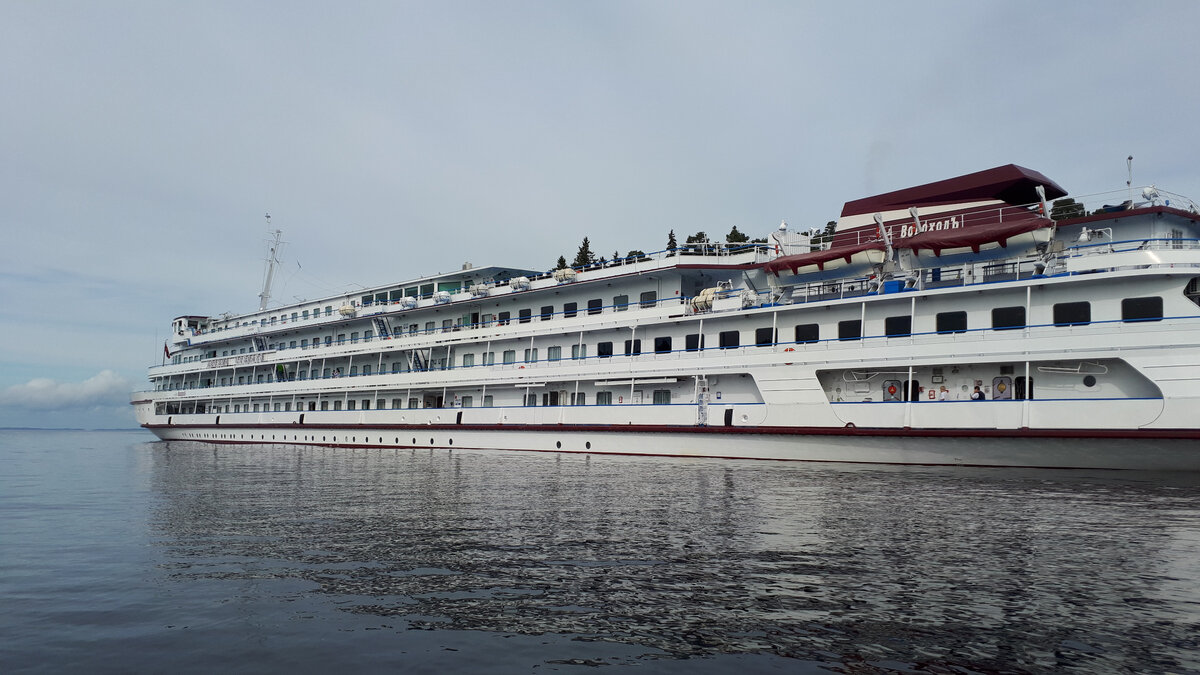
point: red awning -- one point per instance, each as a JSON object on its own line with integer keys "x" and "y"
{"x": 819, "y": 258}
{"x": 1010, "y": 184}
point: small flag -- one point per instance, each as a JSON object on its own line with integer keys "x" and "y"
{"x": 166, "y": 352}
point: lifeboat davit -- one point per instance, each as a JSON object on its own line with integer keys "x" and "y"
{"x": 842, "y": 261}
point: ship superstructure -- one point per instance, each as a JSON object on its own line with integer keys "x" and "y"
{"x": 963, "y": 321}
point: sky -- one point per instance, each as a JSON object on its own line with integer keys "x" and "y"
{"x": 143, "y": 143}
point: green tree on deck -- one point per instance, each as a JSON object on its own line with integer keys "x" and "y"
{"x": 585, "y": 256}
{"x": 735, "y": 237}
{"x": 562, "y": 263}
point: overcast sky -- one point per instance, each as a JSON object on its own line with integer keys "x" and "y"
{"x": 143, "y": 142}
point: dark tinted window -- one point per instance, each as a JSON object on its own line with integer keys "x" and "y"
{"x": 524, "y": 315}
{"x": 764, "y": 336}
{"x": 633, "y": 347}
{"x": 1004, "y": 318}
{"x": 503, "y": 318}
{"x": 897, "y": 325}
{"x": 649, "y": 298}
{"x": 604, "y": 349}
{"x": 849, "y": 330}
{"x": 662, "y": 344}
{"x": 1072, "y": 313}
{"x": 570, "y": 308}
{"x": 595, "y": 305}
{"x": 808, "y": 332}
{"x": 547, "y": 312}
{"x": 952, "y": 322}
{"x": 693, "y": 342}
{"x": 1142, "y": 309}
{"x": 730, "y": 339}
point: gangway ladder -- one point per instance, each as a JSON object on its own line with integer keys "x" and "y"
{"x": 702, "y": 400}
{"x": 418, "y": 363}
{"x": 260, "y": 343}
{"x": 382, "y": 328}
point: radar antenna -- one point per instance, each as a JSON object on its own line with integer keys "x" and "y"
{"x": 274, "y": 245}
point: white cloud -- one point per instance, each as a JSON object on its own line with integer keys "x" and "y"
{"x": 105, "y": 388}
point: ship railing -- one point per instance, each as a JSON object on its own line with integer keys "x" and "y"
{"x": 1116, "y": 201}
{"x": 620, "y": 363}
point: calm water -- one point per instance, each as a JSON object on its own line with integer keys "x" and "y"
{"x": 118, "y": 554}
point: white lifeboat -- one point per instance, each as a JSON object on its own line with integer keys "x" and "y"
{"x": 441, "y": 297}
{"x": 519, "y": 283}
{"x": 347, "y": 310}
{"x": 565, "y": 275}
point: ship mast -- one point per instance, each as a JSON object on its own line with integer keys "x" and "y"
{"x": 273, "y": 247}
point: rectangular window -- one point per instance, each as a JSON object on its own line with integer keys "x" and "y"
{"x": 1072, "y": 313}
{"x": 1142, "y": 309}
{"x": 368, "y": 334}
{"x": 328, "y": 340}
{"x": 324, "y": 405}
{"x": 897, "y": 325}
{"x": 327, "y": 372}
{"x": 662, "y": 345}
{"x": 531, "y": 355}
{"x": 396, "y": 403}
{"x": 952, "y": 322}
{"x": 366, "y": 404}
{"x": 341, "y": 338}
{"x": 489, "y": 358}
{"x": 350, "y": 405}
{"x": 304, "y": 343}
{"x": 604, "y": 349}
{"x": 413, "y": 403}
{"x": 850, "y": 330}
{"x": 430, "y": 326}
{"x": 510, "y": 356}
{"x": 354, "y": 337}
{"x": 468, "y": 360}
{"x": 621, "y": 303}
{"x": 579, "y": 351}
{"x": 649, "y": 298}
{"x": 524, "y": 315}
{"x": 547, "y": 313}
{"x": 662, "y": 396}
{"x": 808, "y": 332}
{"x": 764, "y": 337}
{"x": 595, "y": 305}
{"x": 487, "y": 401}
{"x": 1007, "y": 318}
{"x": 531, "y": 400}
{"x": 255, "y": 407}
{"x": 353, "y": 371}
{"x": 303, "y": 375}
{"x": 367, "y": 369}
{"x": 604, "y": 398}
{"x": 728, "y": 339}
{"x": 693, "y": 342}
{"x": 468, "y": 401}
{"x": 633, "y": 347}
{"x": 504, "y": 318}
{"x": 579, "y": 398}
{"x": 570, "y": 309}
{"x": 337, "y": 405}
{"x": 553, "y": 353}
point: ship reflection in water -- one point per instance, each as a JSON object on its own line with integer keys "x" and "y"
{"x": 867, "y": 568}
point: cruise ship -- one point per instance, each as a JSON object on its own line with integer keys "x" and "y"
{"x": 971, "y": 321}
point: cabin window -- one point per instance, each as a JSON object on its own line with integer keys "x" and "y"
{"x": 547, "y": 313}
{"x": 633, "y": 347}
{"x": 1142, "y": 309}
{"x": 368, "y": 334}
{"x": 367, "y": 369}
{"x": 897, "y": 325}
{"x": 447, "y": 325}
{"x": 570, "y": 309}
{"x": 595, "y": 306}
{"x": 662, "y": 345}
{"x": 620, "y": 303}
{"x": 467, "y": 401}
{"x": 531, "y": 400}
{"x": 649, "y": 298}
{"x": 579, "y": 351}
{"x": 396, "y": 403}
{"x": 808, "y": 332}
{"x": 487, "y": 401}
{"x": 328, "y": 340}
{"x": 729, "y": 339}
{"x": 1072, "y": 313}
{"x": 353, "y": 371}
{"x": 662, "y": 397}
{"x": 341, "y": 338}
{"x": 604, "y": 398}
{"x": 604, "y": 349}
{"x": 1007, "y": 318}
{"x": 413, "y": 403}
{"x": 1024, "y": 388}
{"x": 503, "y": 318}
{"x": 764, "y": 337}
{"x": 395, "y": 366}
{"x": 850, "y": 330}
{"x": 303, "y": 375}
{"x": 327, "y": 373}
{"x": 524, "y": 315}
{"x": 489, "y": 358}
{"x": 304, "y": 343}
{"x": 693, "y": 342}
{"x": 510, "y": 356}
{"x": 304, "y": 314}
{"x": 329, "y": 310}
{"x": 468, "y": 360}
{"x": 952, "y": 322}
{"x": 366, "y": 404}
{"x": 553, "y": 353}
{"x": 531, "y": 355}
{"x": 578, "y": 398}
{"x": 324, "y": 405}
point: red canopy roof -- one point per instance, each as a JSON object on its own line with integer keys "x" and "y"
{"x": 1010, "y": 183}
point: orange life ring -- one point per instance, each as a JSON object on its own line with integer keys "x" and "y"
{"x": 789, "y": 349}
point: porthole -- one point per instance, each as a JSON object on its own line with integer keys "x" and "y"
{"x": 588, "y": 445}
{"x": 414, "y": 441}
{"x": 1089, "y": 381}
{"x": 558, "y": 444}
{"x": 431, "y": 441}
